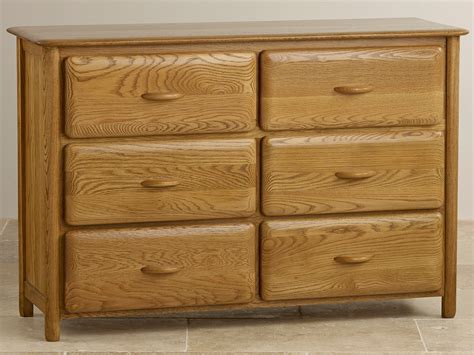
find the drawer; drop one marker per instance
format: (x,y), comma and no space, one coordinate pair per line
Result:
(352,256)
(331,88)
(122,269)
(138,95)
(353,172)
(159,181)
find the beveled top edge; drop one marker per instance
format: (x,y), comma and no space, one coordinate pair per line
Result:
(93,35)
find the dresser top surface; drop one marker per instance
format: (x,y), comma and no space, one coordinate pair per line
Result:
(87,35)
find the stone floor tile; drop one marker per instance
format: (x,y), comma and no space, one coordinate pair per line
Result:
(466,276)
(3,224)
(147,334)
(10,231)
(8,251)
(466,251)
(304,334)
(465,230)
(448,334)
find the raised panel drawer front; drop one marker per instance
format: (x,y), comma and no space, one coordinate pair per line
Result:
(368,87)
(353,256)
(123,269)
(353,172)
(160,181)
(137,95)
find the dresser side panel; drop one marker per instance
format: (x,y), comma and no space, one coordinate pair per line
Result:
(40,181)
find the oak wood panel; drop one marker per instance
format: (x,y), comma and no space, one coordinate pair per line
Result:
(298,256)
(406,169)
(255,305)
(88,35)
(216,179)
(452,126)
(35,170)
(216,265)
(248,46)
(40,149)
(307,89)
(109,96)
(25,306)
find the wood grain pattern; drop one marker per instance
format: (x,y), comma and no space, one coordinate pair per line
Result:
(112,96)
(103,267)
(217,179)
(297,257)
(308,89)
(452,127)
(300,173)
(25,306)
(215,32)
(117,75)
(41,182)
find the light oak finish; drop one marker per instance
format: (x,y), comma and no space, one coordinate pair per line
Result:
(363,87)
(333,257)
(452,127)
(336,173)
(162,181)
(152,179)
(120,269)
(160,94)
(215,32)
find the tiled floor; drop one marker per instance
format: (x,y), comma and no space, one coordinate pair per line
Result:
(395,327)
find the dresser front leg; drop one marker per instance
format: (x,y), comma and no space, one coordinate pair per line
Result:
(52,328)
(448,309)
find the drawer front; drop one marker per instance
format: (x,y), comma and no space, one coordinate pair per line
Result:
(330,88)
(335,257)
(353,172)
(160,94)
(121,269)
(165,181)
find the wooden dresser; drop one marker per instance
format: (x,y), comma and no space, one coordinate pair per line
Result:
(190,167)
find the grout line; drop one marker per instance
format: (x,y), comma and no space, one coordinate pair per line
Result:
(421,335)
(4,226)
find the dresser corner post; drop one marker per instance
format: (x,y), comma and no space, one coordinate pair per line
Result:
(25,305)
(451,192)
(52,99)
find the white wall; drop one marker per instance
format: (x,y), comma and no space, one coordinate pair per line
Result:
(60,12)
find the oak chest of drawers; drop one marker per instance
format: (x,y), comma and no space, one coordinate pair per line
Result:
(192,167)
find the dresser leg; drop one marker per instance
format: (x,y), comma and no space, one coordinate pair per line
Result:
(26,307)
(449,305)
(52,328)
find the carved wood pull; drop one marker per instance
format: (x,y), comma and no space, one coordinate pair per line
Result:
(165,96)
(159,183)
(353,89)
(160,270)
(355,175)
(345,259)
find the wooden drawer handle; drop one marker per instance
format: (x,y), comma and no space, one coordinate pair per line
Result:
(355,175)
(159,183)
(353,89)
(166,96)
(160,270)
(345,259)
